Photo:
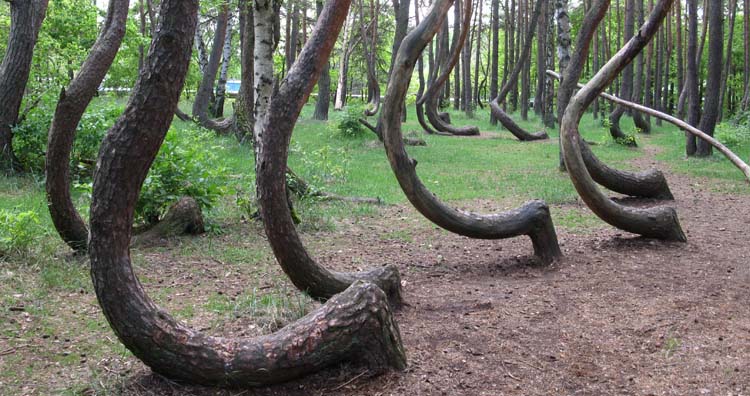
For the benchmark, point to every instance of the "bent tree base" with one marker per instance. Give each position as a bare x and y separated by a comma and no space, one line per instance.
272,153
532,219
356,325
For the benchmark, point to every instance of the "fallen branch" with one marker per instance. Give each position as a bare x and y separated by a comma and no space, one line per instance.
736,160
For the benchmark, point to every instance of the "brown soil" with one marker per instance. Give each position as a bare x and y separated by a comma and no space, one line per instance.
620,315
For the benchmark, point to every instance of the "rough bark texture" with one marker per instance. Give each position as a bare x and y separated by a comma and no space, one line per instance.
532,219
510,84
494,53
25,20
70,108
691,77
643,125
356,325
713,81
324,84
274,135
657,222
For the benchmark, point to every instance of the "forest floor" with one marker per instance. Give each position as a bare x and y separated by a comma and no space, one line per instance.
619,315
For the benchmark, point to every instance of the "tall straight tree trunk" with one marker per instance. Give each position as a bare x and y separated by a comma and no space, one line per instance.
203,96
243,112
526,71
478,55
626,87
691,78
494,53
541,64
648,84
25,20
226,58
713,80
640,122
549,83
510,53
265,44
728,62
324,83
466,73
340,99
457,7
563,52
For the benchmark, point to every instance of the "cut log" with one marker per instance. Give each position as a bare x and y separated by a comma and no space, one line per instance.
184,217
532,219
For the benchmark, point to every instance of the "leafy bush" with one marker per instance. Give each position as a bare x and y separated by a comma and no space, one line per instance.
185,166
325,165
627,140
30,137
733,136
18,231
348,124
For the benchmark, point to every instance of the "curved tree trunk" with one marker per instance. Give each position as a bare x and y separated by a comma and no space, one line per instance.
274,131
431,97
657,222
203,96
356,325
532,219
25,20
68,113
420,91
496,110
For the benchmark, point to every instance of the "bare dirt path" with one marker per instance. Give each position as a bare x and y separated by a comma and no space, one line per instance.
620,315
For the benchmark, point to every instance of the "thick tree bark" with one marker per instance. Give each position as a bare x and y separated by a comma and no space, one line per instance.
356,325
541,63
70,108
691,79
532,219
203,96
509,85
324,84
466,104
657,222
563,52
713,81
183,217
25,20
274,134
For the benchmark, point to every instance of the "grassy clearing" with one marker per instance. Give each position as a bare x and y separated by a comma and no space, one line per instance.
229,278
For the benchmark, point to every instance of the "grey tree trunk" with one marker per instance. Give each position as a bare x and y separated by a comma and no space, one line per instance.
340,99
494,48
243,112
203,96
226,58
25,20
324,84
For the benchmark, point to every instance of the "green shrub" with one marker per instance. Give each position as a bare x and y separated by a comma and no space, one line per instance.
323,166
185,166
348,124
30,137
733,136
18,231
